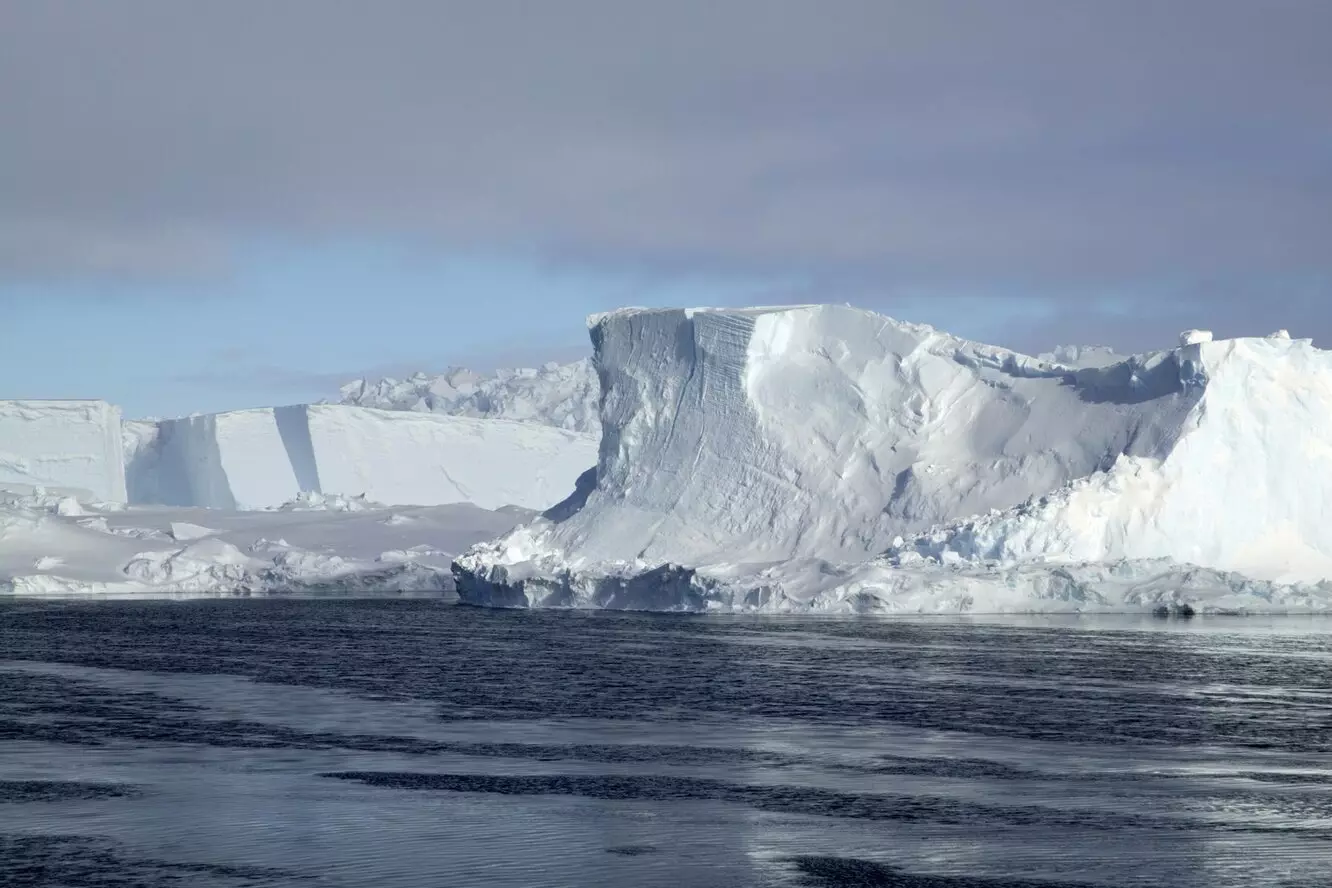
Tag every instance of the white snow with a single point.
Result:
(70, 445)
(822, 457)
(560, 395)
(267, 457)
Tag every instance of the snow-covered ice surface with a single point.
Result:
(51, 544)
(560, 395)
(262, 458)
(74, 445)
(827, 458)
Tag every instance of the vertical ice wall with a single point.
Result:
(264, 457)
(63, 444)
(426, 458)
(218, 461)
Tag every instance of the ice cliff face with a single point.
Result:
(560, 395)
(262, 458)
(74, 445)
(735, 441)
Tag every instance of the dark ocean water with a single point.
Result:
(412, 743)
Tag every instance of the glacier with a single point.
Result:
(828, 458)
(263, 457)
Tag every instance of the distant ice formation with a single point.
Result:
(561, 395)
(262, 501)
(266, 457)
(1080, 356)
(827, 458)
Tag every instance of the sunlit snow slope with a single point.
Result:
(73, 445)
(264, 457)
(770, 451)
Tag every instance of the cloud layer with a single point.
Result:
(1050, 143)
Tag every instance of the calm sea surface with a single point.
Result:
(412, 743)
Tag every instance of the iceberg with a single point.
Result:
(71, 445)
(265, 457)
(828, 458)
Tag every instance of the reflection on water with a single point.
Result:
(411, 743)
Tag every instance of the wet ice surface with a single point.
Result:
(411, 743)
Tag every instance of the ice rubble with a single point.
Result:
(263, 458)
(560, 395)
(69, 444)
(822, 457)
(47, 548)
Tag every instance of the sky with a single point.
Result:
(211, 205)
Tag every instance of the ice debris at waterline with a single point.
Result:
(51, 544)
(827, 458)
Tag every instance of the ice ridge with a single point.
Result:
(561, 395)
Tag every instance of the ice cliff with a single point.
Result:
(827, 457)
(560, 395)
(67, 444)
(262, 458)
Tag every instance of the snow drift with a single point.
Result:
(73, 445)
(561, 395)
(823, 456)
(265, 457)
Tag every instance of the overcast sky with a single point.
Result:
(214, 204)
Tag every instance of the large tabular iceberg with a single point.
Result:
(827, 457)
(264, 457)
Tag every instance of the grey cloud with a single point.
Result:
(1042, 142)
